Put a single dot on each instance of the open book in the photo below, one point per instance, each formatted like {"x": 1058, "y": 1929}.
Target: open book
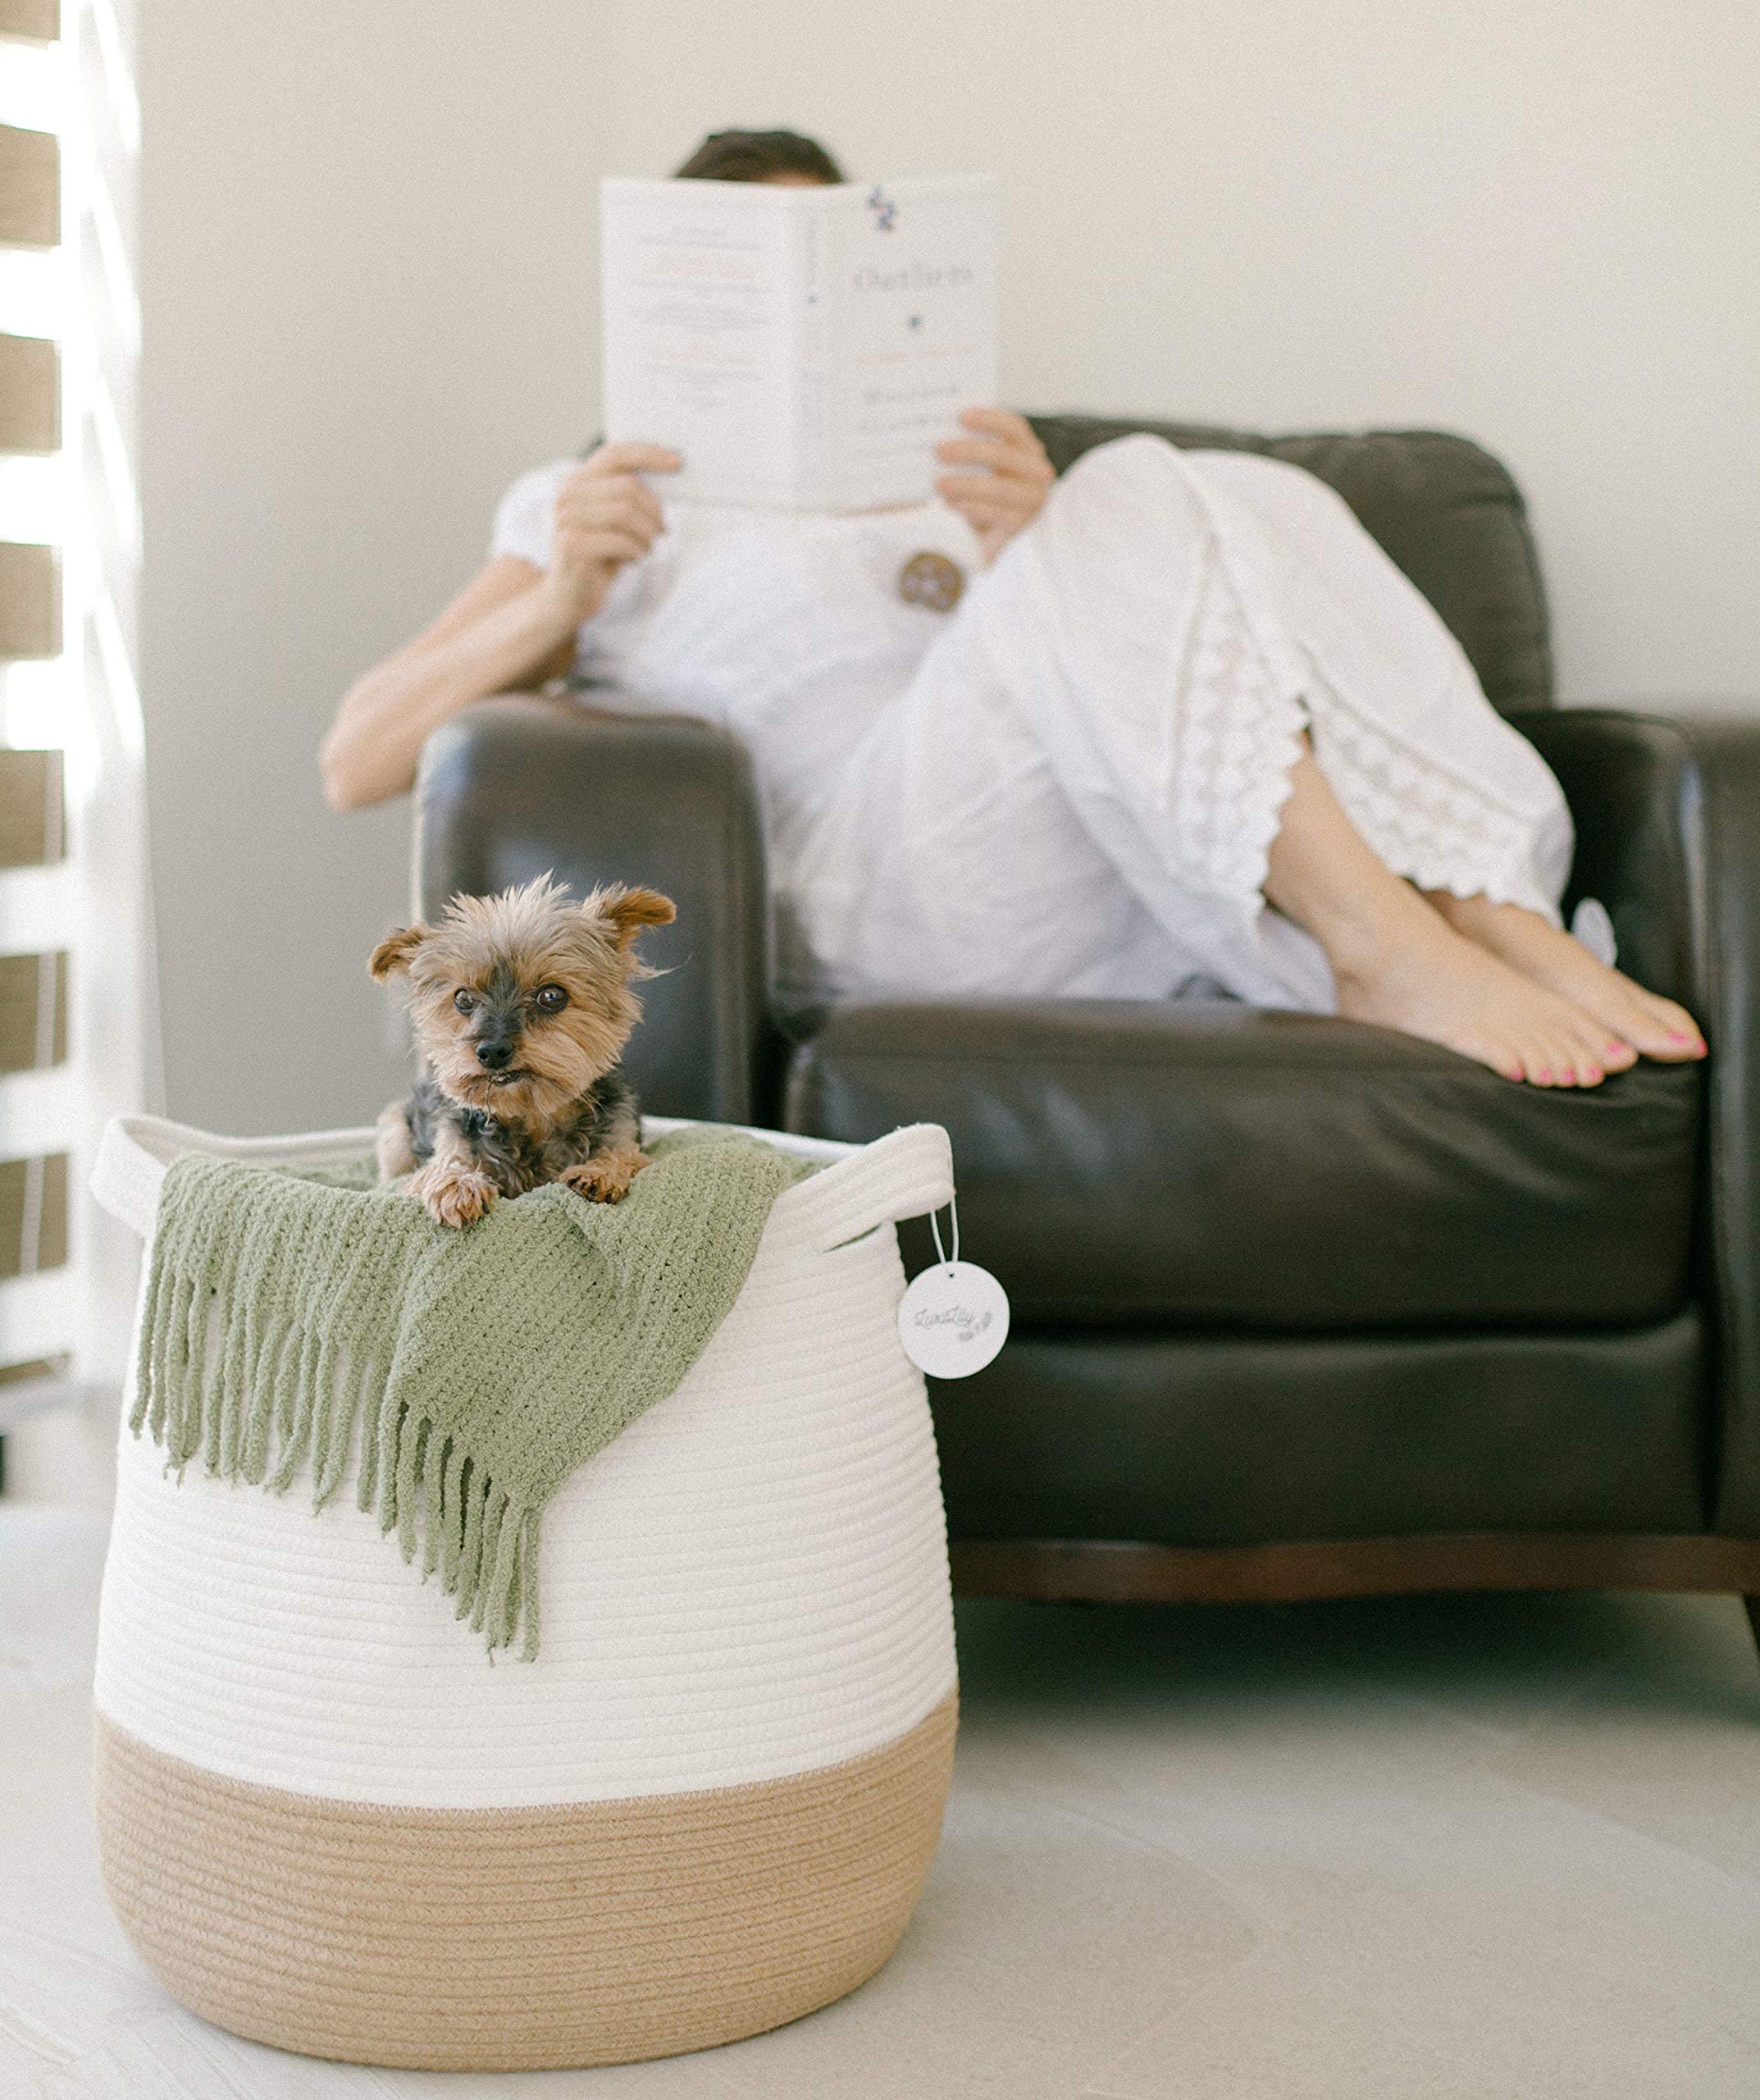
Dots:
{"x": 804, "y": 349}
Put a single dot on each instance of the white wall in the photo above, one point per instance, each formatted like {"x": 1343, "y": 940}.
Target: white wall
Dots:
{"x": 365, "y": 233}
{"x": 1532, "y": 220}
{"x": 365, "y": 245}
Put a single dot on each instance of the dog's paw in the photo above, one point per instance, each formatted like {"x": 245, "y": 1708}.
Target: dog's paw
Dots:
{"x": 605, "y": 1178}
{"x": 453, "y": 1195}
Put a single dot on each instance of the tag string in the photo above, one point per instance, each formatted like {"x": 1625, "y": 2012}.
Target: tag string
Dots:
{"x": 935, "y": 1228}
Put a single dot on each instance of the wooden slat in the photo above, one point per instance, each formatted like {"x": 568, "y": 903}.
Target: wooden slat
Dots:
{"x": 30, "y": 407}
{"x": 31, "y": 200}
{"x": 37, "y": 22}
{"x": 33, "y": 1215}
{"x": 28, "y": 1374}
{"x": 30, "y": 600}
{"x": 33, "y": 1011}
{"x": 33, "y": 1388}
{"x": 31, "y": 833}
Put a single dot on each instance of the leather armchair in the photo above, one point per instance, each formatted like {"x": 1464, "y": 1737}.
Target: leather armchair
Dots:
{"x": 1301, "y": 1307}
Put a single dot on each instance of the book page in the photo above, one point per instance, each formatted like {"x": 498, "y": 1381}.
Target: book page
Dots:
{"x": 911, "y": 338}
{"x": 803, "y": 348}
{"x": 699, "y": 333}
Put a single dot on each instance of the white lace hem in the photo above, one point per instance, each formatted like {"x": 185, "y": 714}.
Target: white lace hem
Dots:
{"x": 1438, "y": 831}
{"x": 1236, "y": 725}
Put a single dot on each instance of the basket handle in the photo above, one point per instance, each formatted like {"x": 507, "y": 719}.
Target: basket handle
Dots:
{"x": 901, "y": 1176}
{"x": 135, "y": 1151}
{"x": 126, "y": 1177}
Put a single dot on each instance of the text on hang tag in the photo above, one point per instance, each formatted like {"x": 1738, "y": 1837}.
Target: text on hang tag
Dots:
{"x": 953, "y": 1319}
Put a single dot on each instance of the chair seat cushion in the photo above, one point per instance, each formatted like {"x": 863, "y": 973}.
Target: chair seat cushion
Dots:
{"x": 1207, "y": 1165}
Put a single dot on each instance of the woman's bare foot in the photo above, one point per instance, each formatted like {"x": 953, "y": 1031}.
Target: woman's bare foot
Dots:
{"x": 1398, "y": 962}
{"x": 1549, "y": 957}
{"x": 1418, "y": 974}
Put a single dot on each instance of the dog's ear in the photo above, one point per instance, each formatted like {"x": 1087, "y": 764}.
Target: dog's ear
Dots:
{"x": 394, "y": 951}
{"x": 628, "y": 911}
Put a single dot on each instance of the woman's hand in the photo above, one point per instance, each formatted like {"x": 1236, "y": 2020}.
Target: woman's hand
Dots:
{"x": 606, "y": 518}
{"x": 997, "y": 504}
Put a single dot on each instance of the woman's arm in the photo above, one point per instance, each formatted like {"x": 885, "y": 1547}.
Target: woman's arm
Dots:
{"x": 512, "y": 625}
{"x": 504, "y": 628}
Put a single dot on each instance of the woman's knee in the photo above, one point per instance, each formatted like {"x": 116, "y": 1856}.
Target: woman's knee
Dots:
{"x": 1138, "y": 452}
{"x": 1139, "y": 478}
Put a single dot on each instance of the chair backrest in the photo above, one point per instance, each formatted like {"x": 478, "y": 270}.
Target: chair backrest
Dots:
{"x": 1442, "y": 507}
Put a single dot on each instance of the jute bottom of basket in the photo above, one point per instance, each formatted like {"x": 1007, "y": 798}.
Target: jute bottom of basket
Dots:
{"x": 518, "y": 1938}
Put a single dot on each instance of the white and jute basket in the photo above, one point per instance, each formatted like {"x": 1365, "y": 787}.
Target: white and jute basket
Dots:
{"x": 329, "y": 1822}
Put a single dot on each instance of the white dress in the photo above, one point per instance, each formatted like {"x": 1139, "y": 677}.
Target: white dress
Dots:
{"x": 1069, "y": 784}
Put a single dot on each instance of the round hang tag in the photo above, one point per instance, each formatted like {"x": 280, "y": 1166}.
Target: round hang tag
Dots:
{"x": 953, "y": 1319}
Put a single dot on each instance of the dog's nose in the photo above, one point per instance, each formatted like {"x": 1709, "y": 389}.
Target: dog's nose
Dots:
{"x": 495, "y": 1055}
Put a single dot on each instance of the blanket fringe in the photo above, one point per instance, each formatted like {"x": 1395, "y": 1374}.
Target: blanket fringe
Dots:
{"x": 261, "y": 1401}
{"x": 290, "y": 1323}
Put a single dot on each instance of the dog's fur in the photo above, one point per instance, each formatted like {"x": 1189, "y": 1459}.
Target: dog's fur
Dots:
{"x": 521, "y": 1005}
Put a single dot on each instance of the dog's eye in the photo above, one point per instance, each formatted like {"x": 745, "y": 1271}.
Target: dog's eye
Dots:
{"x": 465, "y": 1002}
{"x": 552, "y": 999}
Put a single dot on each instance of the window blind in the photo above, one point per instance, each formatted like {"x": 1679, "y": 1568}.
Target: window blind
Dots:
{"x": 74, "y": 949}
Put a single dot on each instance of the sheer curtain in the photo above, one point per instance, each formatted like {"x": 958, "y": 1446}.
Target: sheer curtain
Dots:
{"x": 76, "y": 1019}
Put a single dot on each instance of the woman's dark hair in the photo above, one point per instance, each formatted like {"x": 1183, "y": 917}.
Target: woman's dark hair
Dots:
{"x": 757, "y": 156}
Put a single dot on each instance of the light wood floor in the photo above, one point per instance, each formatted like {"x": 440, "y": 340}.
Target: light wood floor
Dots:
{"x": 1458, "y": 1849}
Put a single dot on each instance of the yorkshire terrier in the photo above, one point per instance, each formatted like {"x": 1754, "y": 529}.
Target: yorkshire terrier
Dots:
{"x": 521, "y": 1004}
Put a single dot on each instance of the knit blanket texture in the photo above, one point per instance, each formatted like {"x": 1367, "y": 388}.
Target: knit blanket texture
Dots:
{"x": 293, "y": 1319}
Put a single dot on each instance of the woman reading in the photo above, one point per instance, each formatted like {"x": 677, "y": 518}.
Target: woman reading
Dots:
{"x": 1172, "y": 719}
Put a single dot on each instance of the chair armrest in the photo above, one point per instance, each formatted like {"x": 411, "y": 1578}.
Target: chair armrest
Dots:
{"x": 1667, "y": 809}
{"x": 519, "y": 785}
{"x": 1633, "y": 786}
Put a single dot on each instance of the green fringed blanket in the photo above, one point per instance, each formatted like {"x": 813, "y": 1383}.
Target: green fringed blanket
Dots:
{"x": 482, "y": 1367}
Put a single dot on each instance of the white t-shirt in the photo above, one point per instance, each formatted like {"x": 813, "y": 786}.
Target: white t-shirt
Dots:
{"x": 787, "y": 628}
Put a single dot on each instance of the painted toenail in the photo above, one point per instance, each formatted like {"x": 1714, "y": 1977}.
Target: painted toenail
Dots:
{"x": 1591, "y": 1073}
{"x": 1544, "y": 1075}
{"x": 1679, "y": 1035}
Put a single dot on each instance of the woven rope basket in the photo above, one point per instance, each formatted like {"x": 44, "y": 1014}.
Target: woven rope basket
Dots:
{"x": 328, "y": 1822}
